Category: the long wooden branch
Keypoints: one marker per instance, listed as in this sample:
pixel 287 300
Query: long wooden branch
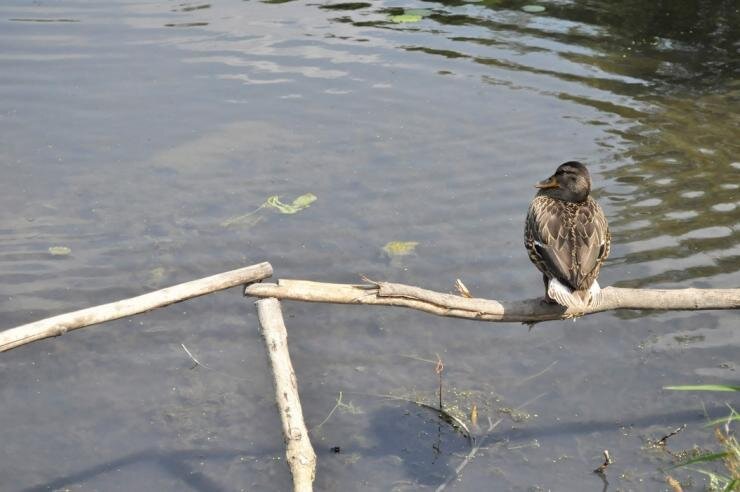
pixel 298 450
pixel 527 311
pixel 58 325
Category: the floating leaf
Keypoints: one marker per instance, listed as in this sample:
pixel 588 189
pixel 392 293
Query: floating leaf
pixel 59 250
pixel 298 204
pixel 405 18
pixel 304 201
pixel 410 15
pixel 533 9
pixel 400 248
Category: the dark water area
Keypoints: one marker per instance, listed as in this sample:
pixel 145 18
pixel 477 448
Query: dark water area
pixel 139 135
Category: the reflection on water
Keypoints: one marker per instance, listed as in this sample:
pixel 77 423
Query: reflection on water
pixel 131 132
pixel 663 80
pixel 682 176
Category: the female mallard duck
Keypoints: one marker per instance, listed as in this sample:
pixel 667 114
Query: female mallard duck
pixel 567 236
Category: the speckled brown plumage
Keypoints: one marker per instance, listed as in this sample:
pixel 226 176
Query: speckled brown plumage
pixel 575 240
pixel 567 240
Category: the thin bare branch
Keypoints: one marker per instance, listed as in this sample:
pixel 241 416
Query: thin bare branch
pixel 59 325
pixel 527 311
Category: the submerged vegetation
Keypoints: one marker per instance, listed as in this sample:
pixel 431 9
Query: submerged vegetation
pixel 251 218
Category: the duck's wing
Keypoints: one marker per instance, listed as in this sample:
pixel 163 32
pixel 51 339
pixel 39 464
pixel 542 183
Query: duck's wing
pixel 567 241
pixel 546 238
pixel 591 241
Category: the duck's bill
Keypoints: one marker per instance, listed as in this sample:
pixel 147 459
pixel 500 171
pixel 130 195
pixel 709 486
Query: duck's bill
pixel 550 182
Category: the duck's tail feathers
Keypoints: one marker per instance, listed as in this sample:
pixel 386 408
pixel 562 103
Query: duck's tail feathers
pixel 578 299
pixel 594 294
pixel 563 294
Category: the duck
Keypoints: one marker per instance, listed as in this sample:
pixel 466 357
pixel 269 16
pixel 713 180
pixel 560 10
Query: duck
pixel 567 237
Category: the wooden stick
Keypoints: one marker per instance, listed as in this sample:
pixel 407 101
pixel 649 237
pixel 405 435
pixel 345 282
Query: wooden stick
pixel 298 450
pixel 58 325
pixel 530 310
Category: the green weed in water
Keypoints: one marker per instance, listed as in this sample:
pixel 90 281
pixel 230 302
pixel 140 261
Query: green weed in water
pixel 533 9
pixel 410 16
pixel 729 479
pixel 405 18
pixel 60 251
pixel 400 248
pixel 251 219
pixel 298 204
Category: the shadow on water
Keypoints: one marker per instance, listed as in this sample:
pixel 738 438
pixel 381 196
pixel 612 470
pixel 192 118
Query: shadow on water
pixel 428 449
pixel 418 439
pixel 182 466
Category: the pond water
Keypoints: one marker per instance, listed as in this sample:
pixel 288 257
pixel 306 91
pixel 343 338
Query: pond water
pixel 140 134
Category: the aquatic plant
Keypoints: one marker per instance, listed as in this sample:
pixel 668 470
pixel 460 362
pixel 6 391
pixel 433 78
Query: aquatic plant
pixel 729 455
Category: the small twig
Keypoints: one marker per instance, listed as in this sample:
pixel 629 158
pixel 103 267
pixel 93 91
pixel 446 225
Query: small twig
pixel 538 374
pixel 196 362
pixel 661 443
pixel 674 484
pixel 337 405
pixel 439 368
pixel 730 417
pixel 607 461
pixel 460 287
pixel 369 280
pixel 420 359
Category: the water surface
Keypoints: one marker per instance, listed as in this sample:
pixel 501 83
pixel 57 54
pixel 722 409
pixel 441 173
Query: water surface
pixel 134 133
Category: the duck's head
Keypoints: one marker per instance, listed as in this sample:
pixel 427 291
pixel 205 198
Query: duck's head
pixel 571 183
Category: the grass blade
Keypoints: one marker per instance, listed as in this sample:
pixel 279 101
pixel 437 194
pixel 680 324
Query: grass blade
pixel 703 387
pixel 723 420
pixel 703 459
